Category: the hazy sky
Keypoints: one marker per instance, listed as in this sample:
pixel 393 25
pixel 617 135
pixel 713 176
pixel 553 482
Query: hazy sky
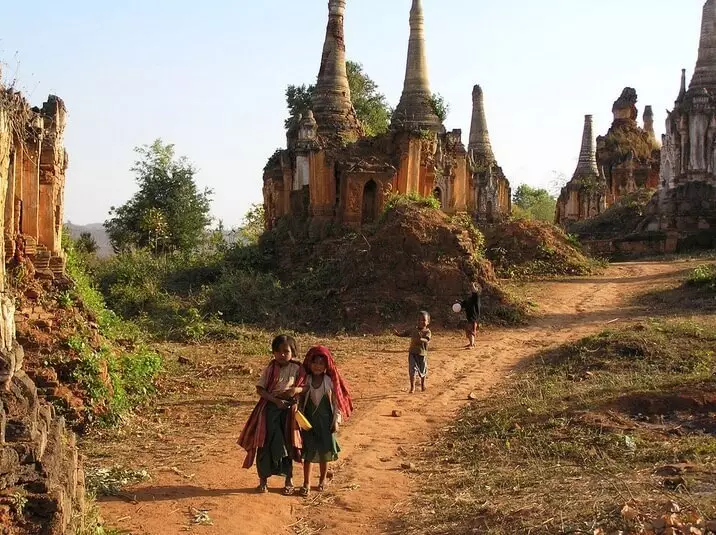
pixel 210 76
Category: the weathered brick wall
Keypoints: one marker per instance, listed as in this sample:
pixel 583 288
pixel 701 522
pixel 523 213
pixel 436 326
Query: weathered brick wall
pixel 38 456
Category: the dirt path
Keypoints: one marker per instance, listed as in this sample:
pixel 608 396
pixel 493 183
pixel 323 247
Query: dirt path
pixel 369 486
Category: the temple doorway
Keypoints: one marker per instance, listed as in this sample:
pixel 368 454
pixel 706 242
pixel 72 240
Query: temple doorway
pixel 370 202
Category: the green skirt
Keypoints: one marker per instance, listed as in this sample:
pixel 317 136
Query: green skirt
pixel 274 458
pixel 319 444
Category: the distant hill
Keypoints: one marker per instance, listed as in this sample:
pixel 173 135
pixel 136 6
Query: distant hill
pixel 98 233
pixel 105 248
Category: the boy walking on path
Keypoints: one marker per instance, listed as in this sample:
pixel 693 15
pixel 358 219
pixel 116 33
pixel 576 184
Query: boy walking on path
pixel 473 311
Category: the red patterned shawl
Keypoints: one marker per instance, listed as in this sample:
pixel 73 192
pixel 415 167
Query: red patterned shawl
pixel 343 396
pixel 253 435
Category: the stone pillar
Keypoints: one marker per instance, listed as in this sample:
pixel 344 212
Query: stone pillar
pixel 31 186
pixel 46 212
pixel 587 164
pixel 414 111
pixel 332 104
pixel 649 124
pixel 479 145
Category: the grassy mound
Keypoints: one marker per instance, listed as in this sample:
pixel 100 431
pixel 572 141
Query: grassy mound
pixel 414 258
pixel 594 437
pixel 529 248
pixel 90 364
pixel 620 219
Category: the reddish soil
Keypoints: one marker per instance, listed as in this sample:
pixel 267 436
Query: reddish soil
pixel 188 442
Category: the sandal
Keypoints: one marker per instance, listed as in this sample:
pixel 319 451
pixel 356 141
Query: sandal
pixel 321 487
pixel 305 491
pixel 288 490
pixel 262 488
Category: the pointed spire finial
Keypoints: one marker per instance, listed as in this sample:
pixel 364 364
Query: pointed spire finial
pixel 332 104
pixel 479 146
pixel 587 164
pixel 414 109
pixel 705 73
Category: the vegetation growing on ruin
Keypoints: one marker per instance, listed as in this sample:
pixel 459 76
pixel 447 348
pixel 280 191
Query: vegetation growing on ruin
pixel 620 219
pixel 440 107
pixel 370 104
pixel 623 418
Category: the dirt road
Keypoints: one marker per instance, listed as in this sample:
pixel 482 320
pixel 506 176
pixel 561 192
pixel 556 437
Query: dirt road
pixel 196 466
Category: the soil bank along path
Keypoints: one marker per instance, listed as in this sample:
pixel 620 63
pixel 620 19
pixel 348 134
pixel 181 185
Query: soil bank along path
pixel 369 486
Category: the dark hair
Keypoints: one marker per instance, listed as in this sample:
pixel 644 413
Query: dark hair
pixel 284 339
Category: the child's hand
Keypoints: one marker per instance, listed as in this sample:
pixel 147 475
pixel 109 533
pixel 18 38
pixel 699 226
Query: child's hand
pixel 280 403
pixel 293 392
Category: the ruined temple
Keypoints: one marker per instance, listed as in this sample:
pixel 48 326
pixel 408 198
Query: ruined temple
pixel 585 195
pixel 331 173
pixel 34 199
pixel 39 459
pixel 685 205
pixel 629 155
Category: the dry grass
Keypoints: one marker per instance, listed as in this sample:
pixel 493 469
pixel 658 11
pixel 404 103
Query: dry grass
pixel 578 433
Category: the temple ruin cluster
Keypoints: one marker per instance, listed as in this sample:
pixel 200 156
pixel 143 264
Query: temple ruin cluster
pixel 331 172
pixel 33 161
pixel 621 162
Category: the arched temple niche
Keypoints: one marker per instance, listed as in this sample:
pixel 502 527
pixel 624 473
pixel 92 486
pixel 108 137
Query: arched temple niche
pixel 370 202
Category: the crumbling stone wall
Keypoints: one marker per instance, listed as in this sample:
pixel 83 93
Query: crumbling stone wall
pixel 41 479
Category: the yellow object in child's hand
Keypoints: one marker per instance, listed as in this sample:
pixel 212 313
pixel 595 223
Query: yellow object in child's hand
pixel 303 422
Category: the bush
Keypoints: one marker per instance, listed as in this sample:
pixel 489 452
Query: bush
pixel 704 276
pixel 413 199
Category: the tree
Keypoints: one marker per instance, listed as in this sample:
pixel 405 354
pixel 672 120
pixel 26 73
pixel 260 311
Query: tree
pixel 535 203
pixel 439 106
pixel 86 243
pixel 169 212
pixel 254 224
pixel 371 106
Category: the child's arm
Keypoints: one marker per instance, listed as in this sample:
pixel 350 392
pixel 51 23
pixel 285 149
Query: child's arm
pixel 268 396
pixel 402 334
pixel 425 336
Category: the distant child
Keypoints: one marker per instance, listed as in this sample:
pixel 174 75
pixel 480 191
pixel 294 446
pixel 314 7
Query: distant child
pixel 418 352
pixel 473 311
pixel 325 404
pixel 271 436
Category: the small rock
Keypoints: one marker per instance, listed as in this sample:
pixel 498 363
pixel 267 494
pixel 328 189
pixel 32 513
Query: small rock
pixel 472 396
pixel 32 294
pixel 672 507
pixel 385 459
pixel 183 360
pixel 397 414
pixel 711 525
pixel 408 466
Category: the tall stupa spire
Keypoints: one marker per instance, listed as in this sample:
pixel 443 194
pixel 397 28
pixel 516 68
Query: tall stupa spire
pixel 705 72
pixel 414 109
pixel 587 164
pixel 480 145
pixel 332 105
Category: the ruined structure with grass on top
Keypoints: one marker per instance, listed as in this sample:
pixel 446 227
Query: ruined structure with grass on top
pixel 331 172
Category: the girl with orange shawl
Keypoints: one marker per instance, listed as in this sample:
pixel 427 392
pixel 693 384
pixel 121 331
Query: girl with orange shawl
pixel 271 436
pixel 326 403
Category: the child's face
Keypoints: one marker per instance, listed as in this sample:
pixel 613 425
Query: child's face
pixel 283 355
pixel 318 366
pixel 423 321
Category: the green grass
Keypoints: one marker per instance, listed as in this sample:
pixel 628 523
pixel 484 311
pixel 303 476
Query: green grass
pixel 571 438
pixel 704 276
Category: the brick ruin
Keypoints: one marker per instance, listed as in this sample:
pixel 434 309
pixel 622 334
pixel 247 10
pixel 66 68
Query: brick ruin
pixel 331 172
pixel 624 160
pixel 38 457
pixel 35 170
pixel 629 156
pixel 585 195
pixel 685 205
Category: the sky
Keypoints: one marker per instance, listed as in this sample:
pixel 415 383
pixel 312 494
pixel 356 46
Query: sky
pixel 210 77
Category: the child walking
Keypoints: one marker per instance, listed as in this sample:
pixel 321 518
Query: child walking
pixel 473 311
pixel 325 403
pixel 418 353
pixel 271 436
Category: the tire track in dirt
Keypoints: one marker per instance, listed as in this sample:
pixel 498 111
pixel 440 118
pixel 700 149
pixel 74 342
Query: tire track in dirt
pixel 369 485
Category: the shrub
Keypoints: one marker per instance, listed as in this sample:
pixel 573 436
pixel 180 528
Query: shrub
pixel 415 199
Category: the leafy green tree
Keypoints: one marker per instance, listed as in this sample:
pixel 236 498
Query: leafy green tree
pixel 169 212
pixel 86 244
pixel 534 203
pixel 254 224
pixel 371 106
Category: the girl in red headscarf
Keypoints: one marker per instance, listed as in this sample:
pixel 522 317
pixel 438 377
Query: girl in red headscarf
pixel 326 403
